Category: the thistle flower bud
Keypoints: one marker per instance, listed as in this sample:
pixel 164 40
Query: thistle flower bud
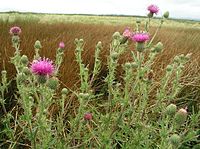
pixel 171 109
pixel 99 45
pixel 158 47
pixel 175 140
pixel 182 57
pixel 88 116
pixel 181 116
pixel 84 95
pixel 61 45
pixel 123 40
pixel 37 45
pixel 176 59
pixel 4 76
pixel 150 15
pixel 31 98
pixel 26 71
pixel 116 35
pixel 127 65
pixel 127 33
pixel 15 39
pixel 21 77
pixel 188 56
pixel 76 41
pixel 169 68
pixel 86 69
pixel 140 47
pixel 153 50
pixel 24 60
pixel 134 64
pixel 53 83
pixel 41 79
pixel 114 55
pixel 3 72
pixel 64 91
pixel 166 15
pixel 81 41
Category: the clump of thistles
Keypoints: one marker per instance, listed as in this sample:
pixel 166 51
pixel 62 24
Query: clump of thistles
pixel 42 67
pixel 153 9
pixel 140 37
pixel 15 30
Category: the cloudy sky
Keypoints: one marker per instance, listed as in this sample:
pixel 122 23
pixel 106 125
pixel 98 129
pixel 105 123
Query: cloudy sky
pixel 177 8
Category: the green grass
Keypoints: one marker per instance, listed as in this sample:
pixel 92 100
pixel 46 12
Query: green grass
pixel 93 19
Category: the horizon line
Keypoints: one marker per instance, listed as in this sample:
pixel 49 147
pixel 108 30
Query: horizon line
pixel 92 14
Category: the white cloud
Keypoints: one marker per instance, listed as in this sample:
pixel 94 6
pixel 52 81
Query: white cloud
pixel 177 8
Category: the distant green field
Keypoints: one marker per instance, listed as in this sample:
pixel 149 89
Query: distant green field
pixel 92 19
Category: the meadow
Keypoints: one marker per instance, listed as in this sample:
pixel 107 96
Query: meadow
pixel 78 62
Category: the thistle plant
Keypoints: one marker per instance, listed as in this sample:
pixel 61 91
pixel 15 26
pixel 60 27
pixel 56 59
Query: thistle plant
pixel 37 47
pixel 84 72
pixel 137 111
pixel 43 69
pixel 59 55
pixel 4 88
pixel 153 9
pixel 97 62
pixel 15 32
pixel 116 49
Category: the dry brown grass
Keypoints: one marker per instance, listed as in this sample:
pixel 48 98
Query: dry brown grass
pixel 175 40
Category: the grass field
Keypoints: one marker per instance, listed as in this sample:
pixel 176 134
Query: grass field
pixel 92 19
pixel 177 36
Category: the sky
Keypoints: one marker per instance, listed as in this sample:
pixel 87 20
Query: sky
pixel 189 9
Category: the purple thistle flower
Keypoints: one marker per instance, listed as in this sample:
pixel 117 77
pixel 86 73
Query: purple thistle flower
pixel 61 45
pixel 153 9
pixel 88 116
pixel 140 37
pixel 42 67
pixel 127 33
pixel 15 30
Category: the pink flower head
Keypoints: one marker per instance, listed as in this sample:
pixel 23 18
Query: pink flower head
pixel 42 67
pixel 15 30
pixel 61 45
pixel 140 37
pixel 127 33
pixel 153 9
pixel 88 116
